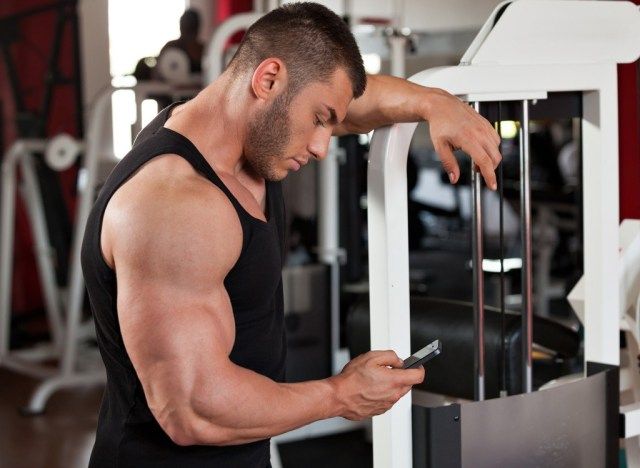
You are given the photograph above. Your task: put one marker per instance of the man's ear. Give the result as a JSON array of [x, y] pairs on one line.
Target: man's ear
[[269, 79]]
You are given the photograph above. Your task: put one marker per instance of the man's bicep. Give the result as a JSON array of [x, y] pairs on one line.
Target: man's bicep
[[172, 305], [176, 342], [161, 305], [163, 326]]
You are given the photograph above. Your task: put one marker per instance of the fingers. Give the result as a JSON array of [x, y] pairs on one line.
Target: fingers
[[492, 132], [484, 151], [370, 387], [494, 154], [480, 141], [493, 139], [410, 377], [484, 148], [449, 162], [484, 163], [497, 139], [386, 358], [488, 145]]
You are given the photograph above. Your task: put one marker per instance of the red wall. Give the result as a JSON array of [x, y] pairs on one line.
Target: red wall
[[629, 122]]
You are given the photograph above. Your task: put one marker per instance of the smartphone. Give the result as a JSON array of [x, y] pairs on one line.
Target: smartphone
[[425, 354]]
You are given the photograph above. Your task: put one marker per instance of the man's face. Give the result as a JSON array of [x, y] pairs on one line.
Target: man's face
[[285, 136]]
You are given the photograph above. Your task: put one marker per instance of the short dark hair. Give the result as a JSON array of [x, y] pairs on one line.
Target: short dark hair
[[310, 39], [190, 22]]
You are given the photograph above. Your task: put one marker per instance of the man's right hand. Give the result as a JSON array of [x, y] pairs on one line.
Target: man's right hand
[[372, 383]]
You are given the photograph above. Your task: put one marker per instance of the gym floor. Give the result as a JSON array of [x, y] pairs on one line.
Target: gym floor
[[64, 435]]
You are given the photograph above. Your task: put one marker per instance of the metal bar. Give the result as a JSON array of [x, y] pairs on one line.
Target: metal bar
[[525, 239], [30, 368], [7, 231], [44, 252], [39, 399], [398, 44], [478, 279], [328, 239], [7, 227], [90, 167], [503, 354]]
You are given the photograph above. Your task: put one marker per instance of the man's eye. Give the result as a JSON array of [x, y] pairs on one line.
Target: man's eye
[[319, 122]]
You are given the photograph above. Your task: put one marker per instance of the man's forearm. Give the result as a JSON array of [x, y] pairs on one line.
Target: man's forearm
[[246, 407], [452, 123], [388, 100], [230, 405]]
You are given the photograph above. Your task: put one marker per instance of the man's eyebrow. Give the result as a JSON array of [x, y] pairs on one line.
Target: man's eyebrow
[[333, 119]]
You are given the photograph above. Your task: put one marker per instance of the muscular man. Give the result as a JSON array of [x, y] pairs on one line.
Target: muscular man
[[183, 250]]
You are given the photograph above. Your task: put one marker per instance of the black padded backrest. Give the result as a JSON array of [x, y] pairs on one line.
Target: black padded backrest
[[452, 373]]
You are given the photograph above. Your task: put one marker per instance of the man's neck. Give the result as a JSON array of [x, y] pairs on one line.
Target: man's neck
[[215, 122]]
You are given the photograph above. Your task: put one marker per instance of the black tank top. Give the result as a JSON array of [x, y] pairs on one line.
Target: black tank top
[[128, 435]]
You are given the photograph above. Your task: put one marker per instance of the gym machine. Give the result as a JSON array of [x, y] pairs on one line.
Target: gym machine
[[69, 334], [525, 52], [75, 359]]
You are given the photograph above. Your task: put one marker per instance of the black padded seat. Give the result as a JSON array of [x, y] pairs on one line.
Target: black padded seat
[[452, 372]]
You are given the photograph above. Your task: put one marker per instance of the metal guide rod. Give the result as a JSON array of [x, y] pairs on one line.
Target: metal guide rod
[[478, 278], [525, 239], [503, 359]]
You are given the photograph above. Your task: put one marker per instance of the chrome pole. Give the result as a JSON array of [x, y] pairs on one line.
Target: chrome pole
[[478, 278], [525, 240]]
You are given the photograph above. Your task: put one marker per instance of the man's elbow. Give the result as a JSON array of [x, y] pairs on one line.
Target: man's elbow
[[189, 429]]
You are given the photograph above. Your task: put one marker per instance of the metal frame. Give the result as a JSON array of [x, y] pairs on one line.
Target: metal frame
[[329, 251], [525, 242], [67, 330], [496, 72], [478, 278], [214, 54]]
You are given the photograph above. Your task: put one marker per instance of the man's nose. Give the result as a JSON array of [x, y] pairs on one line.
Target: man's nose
[[319, 147]]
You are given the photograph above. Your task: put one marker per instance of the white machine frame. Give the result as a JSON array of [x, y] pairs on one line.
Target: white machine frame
[[67, 331], [537, 47]]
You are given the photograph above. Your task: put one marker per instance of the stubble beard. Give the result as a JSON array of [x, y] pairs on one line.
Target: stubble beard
[[267, 137]]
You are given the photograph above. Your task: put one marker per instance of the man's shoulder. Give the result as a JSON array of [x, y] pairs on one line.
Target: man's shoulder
[[168, 200], [169, 181]]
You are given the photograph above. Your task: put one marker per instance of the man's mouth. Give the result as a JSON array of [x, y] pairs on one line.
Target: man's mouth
[[299, 162]]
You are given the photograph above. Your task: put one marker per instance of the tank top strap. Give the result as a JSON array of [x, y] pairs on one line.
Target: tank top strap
[[185, 148]]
